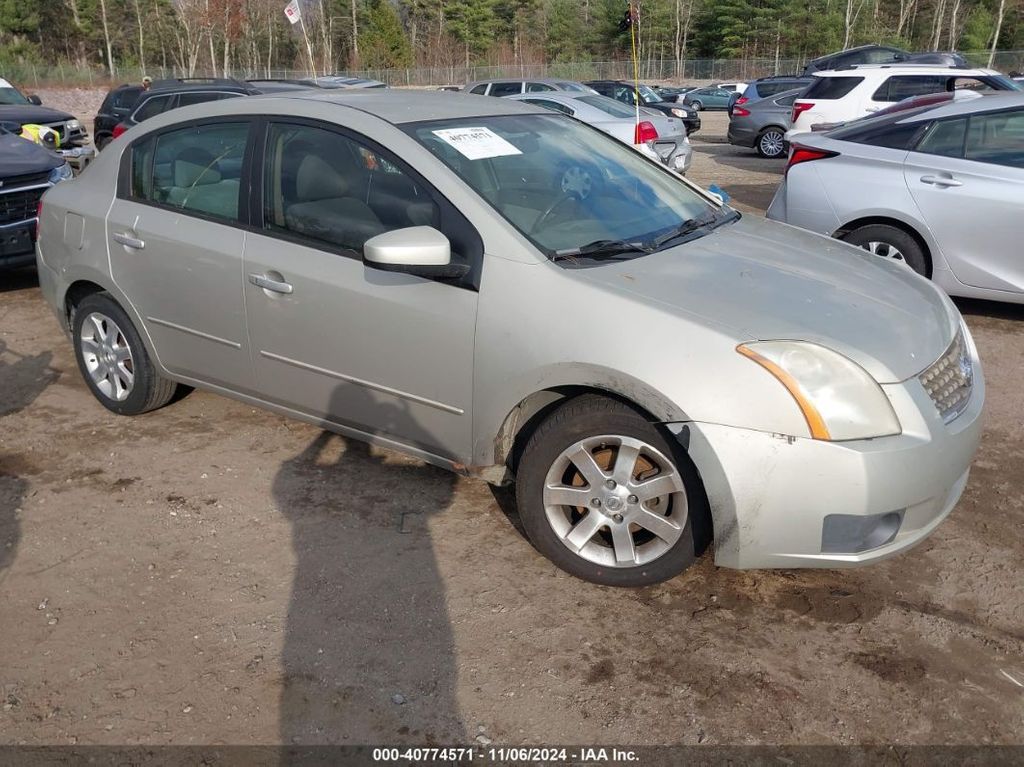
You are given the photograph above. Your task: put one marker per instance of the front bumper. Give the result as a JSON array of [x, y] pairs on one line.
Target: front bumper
[[770, 494], [78, 157]]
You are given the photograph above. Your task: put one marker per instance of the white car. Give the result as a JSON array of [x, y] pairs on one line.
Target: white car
[[658, 136], [738, 87], [842, 95]]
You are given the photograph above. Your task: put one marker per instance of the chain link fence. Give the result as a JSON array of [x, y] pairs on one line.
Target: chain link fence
[[691, 71]]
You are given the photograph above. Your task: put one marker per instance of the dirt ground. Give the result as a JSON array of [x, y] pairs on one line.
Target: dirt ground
[[213, 574]]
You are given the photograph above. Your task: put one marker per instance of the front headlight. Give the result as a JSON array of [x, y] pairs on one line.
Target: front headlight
[[73, 125], [679, 112], [60, 173], [838, 398]]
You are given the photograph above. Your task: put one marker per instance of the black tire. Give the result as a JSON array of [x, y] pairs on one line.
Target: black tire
[[697, 105], [590, 416], [909, 249], [149, 389], [102, 141], [771, 143]]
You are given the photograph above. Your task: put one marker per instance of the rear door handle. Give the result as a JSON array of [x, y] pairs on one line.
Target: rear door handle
[[262, 281], [941, 181], [128, 241]]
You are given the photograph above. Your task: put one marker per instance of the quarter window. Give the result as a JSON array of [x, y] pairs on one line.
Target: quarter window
[[330, 189], [196, 170], [945, 138], [480, 90]]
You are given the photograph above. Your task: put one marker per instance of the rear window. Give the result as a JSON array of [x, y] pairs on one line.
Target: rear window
[[831, 88], [608, 106], [764, 90], [125, 98]]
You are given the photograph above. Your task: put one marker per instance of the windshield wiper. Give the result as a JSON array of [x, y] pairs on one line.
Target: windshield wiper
[[600, 249], [694, 224]]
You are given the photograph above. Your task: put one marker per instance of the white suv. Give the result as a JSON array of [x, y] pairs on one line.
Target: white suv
[[845, 94]]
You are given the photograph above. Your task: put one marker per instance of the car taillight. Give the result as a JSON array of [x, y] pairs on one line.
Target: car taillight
[[741, 100], [39, 217], [801, 154], [801, 106], [738, 111], [645, 132], [119, 129]]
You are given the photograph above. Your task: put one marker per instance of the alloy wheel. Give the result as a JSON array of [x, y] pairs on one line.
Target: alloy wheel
[[885, 250], [615, 501], [772, 144], [107, 356]]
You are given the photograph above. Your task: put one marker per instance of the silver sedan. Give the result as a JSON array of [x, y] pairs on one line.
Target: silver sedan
[[513, 295], [656, 134], [939, 189]]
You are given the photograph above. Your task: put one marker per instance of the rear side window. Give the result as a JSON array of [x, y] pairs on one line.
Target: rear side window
[[538, 87], [608, 106], [997, 139], [153, 107], [899, 87], [831, 88], [945, 138], [197, 169], [188, 99], [506, 89]]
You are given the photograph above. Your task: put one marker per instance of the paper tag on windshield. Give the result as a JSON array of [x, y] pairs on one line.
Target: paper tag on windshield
[[477, 143]]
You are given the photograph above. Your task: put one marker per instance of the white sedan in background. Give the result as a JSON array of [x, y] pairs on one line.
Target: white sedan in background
[[657, 135]]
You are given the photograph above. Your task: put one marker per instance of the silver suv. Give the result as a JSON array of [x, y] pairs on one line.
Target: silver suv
[[511, 294]]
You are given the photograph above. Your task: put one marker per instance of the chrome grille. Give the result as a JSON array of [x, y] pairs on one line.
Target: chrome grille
[[950, 380], [19, 204]]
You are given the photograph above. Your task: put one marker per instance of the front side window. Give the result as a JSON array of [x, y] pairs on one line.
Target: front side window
[[12, 96], [997, 138], [624, 94], [562, 184], [506, 89], [153, 107], [197, 169], [325, 187]]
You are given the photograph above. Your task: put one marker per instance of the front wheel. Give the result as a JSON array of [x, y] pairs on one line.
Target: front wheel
[[892, 243], [697, 105], [605, 495], [113, 360], [771, 143]]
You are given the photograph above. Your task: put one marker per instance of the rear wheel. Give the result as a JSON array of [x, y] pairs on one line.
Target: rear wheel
[[113, 360], [697, 105], [771, 143], [606, 496], [889, 242]]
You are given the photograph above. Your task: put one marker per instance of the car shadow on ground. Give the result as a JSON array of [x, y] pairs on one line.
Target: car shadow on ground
[[18, 279], [976, 307], [368, 652]]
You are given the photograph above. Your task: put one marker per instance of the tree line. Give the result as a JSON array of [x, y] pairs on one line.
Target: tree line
[[224, 37]]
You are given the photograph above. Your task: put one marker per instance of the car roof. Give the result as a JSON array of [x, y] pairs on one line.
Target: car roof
[[990, 102], [904, 69], [391, 105], [188, 84]]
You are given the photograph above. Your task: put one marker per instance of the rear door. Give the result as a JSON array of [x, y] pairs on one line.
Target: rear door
[[388, 355], [175, 242], [967, 179]]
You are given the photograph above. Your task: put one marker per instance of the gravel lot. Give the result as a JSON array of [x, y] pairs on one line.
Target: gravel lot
[[213, 574]]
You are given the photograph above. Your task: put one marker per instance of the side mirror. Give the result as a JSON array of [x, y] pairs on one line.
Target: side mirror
[[34, 99], [418, 250]]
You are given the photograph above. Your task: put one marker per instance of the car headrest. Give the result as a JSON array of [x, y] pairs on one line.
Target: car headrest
[[195, 167], [316, 180]]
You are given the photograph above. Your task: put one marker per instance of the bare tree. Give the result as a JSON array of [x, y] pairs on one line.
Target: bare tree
[[106, 38], [999, 28], [142, 38]]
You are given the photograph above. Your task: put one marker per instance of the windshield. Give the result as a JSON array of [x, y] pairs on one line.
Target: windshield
[[649, 95], [563, 184], [10, 96]]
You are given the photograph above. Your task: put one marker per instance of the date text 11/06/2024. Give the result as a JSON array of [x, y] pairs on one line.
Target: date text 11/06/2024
[[501, 754]]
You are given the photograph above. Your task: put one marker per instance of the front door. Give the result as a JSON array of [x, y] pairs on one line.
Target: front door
[[385, 354], [175, 249], [967, 179]]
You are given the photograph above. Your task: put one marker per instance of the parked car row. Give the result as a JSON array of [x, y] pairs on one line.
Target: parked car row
[[496, 288]]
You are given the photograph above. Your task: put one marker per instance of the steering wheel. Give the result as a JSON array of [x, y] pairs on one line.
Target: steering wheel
[[558, 203], [577, 183]]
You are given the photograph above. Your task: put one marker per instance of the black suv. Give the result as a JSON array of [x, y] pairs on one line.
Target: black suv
[[165, 95], [627, 92], [881, 54], [115, 107], [26, 171]]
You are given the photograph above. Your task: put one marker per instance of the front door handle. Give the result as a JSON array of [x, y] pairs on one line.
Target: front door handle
[[941, 181], [262, 281], [128, 241]]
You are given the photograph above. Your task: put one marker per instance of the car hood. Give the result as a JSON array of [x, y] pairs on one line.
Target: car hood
[[30, 113], [19, 156], [760, 280]]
